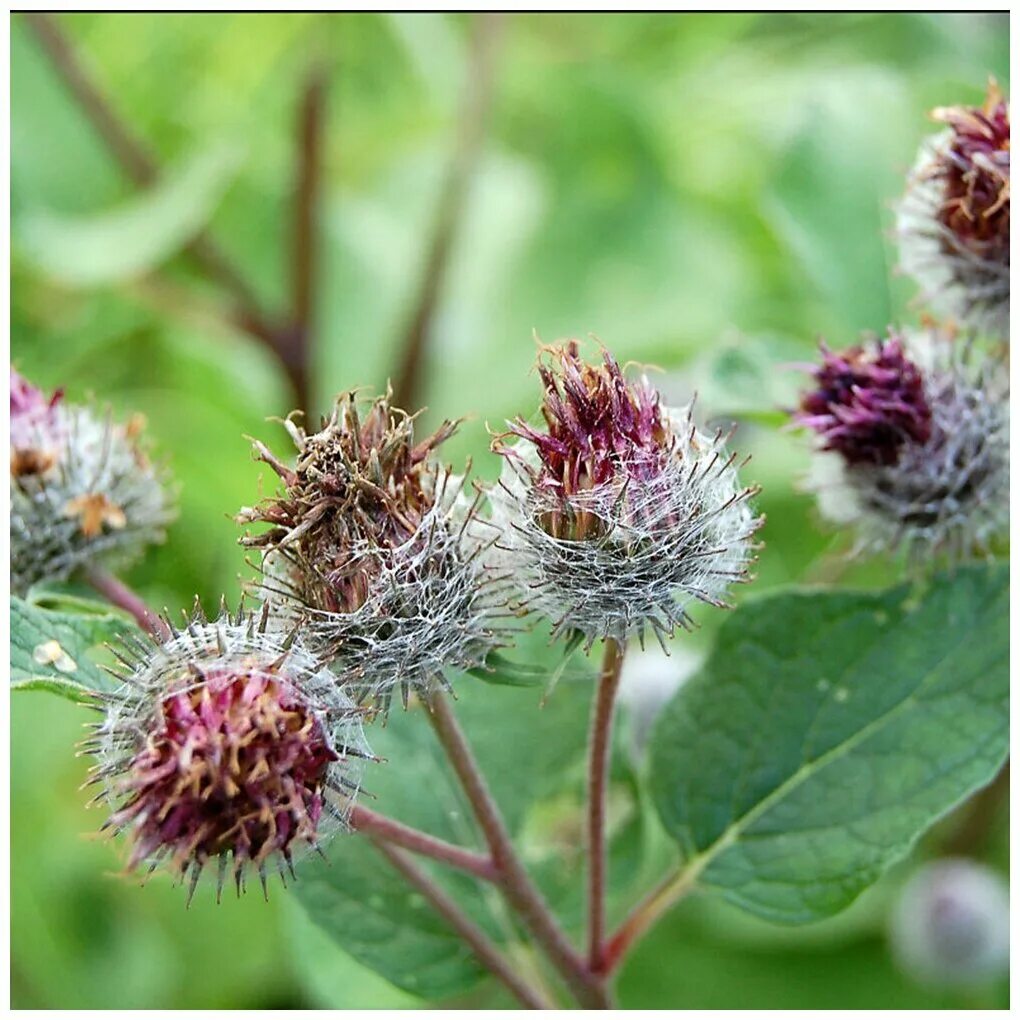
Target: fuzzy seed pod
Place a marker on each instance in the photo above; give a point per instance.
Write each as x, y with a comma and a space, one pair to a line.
227, 743
950, 925
82, 488
379, 552
941, 488
953, 222
618, 513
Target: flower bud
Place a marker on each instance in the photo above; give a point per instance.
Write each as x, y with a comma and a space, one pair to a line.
914, 445
82, 489
950, 925
866, 406
376, 547
619, 512
953, 222
226, 743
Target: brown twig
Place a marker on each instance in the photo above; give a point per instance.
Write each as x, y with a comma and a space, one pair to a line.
117, 593
514, 882
599, 745
142, 168
486, 952
382, 827
295, 346
475, 103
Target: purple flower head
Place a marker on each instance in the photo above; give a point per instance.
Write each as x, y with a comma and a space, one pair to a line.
953, 220
975, 171
600, 428
35, 428
236, 764
227, 745
867, 404
620, 512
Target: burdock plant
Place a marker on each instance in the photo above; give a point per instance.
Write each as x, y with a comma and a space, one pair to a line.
225, 745
818, 739
617, 512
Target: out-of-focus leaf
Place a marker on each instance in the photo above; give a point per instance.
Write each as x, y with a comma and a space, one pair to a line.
831, 193
333, 977
129, 240
51, 651
745, 376
829, 730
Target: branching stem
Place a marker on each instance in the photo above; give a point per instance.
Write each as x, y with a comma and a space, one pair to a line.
379, 826
117, 593
645, 914
514, 881
483, 948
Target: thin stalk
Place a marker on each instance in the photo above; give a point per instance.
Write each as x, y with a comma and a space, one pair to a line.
646, 913
396, 833
476, 100
488, 955
119, 594
599, 749
295, 345
143, 169
514, 881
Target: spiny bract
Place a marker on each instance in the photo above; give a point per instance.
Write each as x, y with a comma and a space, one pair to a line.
83, 489
944, 492
377, 549
619, 512
226, 743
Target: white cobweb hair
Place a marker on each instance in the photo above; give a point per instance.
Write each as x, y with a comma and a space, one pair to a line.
681, 536
94, 459
947, 496
436, 605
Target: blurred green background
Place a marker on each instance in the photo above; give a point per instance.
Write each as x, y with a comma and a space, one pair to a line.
706, 193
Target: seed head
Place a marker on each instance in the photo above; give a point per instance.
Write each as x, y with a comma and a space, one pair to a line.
867, 405
950, 925
376, 547
226, 744
953, 222
82, 488
947, 491
619, 512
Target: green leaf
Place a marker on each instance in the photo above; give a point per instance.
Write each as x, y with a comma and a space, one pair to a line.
53, 651
127, 241
827, 731
365, 905
749, 376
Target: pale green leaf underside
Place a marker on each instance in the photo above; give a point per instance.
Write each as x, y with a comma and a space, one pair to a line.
827, 732
127, 241
68, 667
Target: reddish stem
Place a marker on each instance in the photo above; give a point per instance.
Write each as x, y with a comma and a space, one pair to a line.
296, 342
381, 827
599, 747
514, 882
475, 102
119, 594
483, 948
